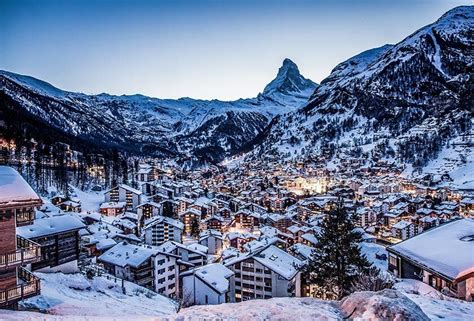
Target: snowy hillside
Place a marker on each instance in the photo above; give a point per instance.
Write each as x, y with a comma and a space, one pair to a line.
167, 126
402, 102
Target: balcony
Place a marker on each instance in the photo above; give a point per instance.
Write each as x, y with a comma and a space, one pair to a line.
29, 286
27, 252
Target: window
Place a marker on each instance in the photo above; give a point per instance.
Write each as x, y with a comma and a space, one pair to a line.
160, 262
392, 260
171, 277
258, 270
161, 281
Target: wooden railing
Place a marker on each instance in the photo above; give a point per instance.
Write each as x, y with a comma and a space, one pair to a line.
30, 287
27, 252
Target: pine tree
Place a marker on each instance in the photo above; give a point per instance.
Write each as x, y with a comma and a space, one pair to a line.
336, 260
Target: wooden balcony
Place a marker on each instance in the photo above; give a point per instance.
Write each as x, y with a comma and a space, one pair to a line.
29, 286
27, 252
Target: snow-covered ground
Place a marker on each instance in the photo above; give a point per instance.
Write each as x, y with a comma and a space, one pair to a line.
272, 309
90, 201
76, 295
434, 304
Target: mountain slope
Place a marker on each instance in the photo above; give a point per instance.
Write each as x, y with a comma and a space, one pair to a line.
402, 102
158, 126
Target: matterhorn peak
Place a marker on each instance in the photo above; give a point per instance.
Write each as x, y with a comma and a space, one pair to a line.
289, 80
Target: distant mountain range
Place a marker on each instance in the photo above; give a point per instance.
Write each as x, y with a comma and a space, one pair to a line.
209, 128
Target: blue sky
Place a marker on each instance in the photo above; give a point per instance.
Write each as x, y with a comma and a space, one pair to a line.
200, 49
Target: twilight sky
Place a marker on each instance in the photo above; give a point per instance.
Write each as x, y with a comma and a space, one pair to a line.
201, 49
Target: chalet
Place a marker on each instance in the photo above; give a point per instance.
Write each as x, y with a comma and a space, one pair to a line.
467, 206
238, 239
148, 210
245, 219
160, 229
169, 207
58, 199
99, 247
146, 173
189, 217
195, 254
146, 266
18, 202
209, 284
267, 273
112, 208
309, 239
213, 240
365, 216
183, 204
215, 222
58, 237
279, 221
403, 230
70, 206
127, 226
441, 257
124, 193
224, 212
206, 206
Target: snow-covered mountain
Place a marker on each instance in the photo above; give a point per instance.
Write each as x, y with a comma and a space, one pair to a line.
403, 102
137, 122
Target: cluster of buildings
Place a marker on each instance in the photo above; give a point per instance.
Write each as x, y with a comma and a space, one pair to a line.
219, 235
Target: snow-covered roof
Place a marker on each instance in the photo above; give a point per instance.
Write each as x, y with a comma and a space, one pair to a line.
126, 254
208, 233
302, 249
104, 244
14, 190
401, 225
127, 188
215, 275
159, 219
113, 205
50, 225
310, 238
279, 261
447, 249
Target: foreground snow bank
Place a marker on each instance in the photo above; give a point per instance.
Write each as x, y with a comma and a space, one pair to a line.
76, 295
272, 309
383, 305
